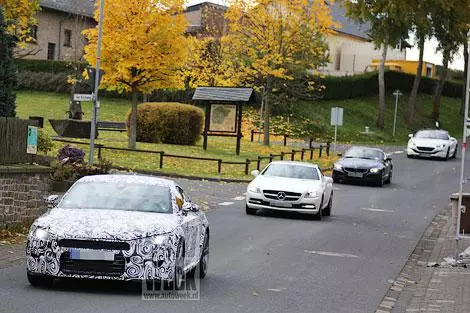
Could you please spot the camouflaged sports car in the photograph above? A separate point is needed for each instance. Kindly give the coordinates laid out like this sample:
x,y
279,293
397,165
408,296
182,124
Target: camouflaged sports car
x,y
122,227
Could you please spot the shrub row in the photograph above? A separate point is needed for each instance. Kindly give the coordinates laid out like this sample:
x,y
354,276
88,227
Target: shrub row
x,y
47,66
348,87
166,122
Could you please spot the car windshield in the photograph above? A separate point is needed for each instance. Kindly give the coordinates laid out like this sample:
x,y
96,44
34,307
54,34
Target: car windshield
x,y
432,134
118,196
291,171
364,153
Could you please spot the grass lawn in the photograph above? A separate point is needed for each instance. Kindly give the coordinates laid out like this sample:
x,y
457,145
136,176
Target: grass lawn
x,y
361,112
53,105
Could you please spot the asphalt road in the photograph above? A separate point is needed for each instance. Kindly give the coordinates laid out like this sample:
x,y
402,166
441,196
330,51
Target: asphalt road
x,y
280,262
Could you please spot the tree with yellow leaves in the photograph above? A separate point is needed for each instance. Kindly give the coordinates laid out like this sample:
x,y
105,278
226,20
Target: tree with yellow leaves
x,y
270,40
143,48
20,16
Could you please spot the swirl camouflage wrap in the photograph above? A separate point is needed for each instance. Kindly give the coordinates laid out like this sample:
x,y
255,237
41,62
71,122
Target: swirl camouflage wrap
x,y
116,244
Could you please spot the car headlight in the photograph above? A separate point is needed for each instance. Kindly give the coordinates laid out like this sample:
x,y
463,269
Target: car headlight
x,y
412,144
313,194
160,240
375,170
254,189
338,167
440,147
41,234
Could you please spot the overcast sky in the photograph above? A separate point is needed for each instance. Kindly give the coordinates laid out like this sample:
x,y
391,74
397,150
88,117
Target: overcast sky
x,y
430,54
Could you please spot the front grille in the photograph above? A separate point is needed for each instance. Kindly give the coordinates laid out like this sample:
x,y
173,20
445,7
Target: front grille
x,y
92,267
426,149
355,170
266,203
93,244
289,196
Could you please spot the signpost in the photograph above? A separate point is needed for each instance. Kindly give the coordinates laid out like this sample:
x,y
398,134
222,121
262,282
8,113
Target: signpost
x,y
397,95
82,97
32,143
336,120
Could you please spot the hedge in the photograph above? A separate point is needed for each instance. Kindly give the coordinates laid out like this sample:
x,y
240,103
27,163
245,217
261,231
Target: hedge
x,y
167,122
348,87
47,66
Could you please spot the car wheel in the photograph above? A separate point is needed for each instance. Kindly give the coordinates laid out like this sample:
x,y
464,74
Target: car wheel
x,y
327,211
389,178
320,211
250,211
39,280
179,268
202,266
409,156
454,155
380,181
447,157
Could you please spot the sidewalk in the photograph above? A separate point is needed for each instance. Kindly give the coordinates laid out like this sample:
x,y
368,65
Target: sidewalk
x,y
426,284
11,255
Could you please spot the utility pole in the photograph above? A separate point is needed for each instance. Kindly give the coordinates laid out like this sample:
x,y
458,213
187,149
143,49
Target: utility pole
x,y
397,95
97,84
462,161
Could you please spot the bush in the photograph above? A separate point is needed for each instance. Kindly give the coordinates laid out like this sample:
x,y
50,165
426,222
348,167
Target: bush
x,y
45,143
167,122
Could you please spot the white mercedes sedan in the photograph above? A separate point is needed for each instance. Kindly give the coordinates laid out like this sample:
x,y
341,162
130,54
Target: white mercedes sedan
x,y
432,143
290,186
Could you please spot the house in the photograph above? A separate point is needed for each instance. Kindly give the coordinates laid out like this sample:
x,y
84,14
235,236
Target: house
x,y
206,19
410,67
58,33
351,49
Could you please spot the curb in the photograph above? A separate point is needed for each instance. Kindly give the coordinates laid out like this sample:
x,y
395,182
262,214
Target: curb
x,y
174,175
413,269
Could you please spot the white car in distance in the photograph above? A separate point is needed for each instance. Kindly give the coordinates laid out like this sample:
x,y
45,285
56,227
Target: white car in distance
x,y
432,143
290,186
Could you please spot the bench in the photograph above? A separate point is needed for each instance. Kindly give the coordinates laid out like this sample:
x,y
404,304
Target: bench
x,y
112,126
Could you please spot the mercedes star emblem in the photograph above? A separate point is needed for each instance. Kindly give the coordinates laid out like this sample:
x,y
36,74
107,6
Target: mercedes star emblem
x,y
281,196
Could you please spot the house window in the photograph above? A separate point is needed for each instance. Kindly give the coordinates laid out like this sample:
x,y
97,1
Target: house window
x,y
428,71
51,51
67,38
33,32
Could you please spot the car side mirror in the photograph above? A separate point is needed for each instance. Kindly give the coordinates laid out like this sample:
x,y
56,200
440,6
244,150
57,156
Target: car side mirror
x,y
255,173
410,136
388,158
187,207
51,201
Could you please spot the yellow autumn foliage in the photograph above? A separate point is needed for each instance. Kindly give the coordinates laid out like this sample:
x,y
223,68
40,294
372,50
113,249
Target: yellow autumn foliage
x,y
143,44
21,15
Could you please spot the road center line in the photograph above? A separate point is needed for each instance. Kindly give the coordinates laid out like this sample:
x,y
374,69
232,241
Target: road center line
x,y
240,198
398,152
376,210
326,253
225,203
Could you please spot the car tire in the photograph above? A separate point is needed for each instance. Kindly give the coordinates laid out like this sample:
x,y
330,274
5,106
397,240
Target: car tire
x,y
39,280
250,211
327,210
178,275
409,156
447,157
454,155
389,178
201,267
379,182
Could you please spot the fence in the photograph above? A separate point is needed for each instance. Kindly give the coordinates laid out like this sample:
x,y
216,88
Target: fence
x,y
285,136
220,162
13,140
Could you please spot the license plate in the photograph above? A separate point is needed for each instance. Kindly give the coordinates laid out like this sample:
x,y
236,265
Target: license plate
x,y
87,254
353,174
424,155
281,204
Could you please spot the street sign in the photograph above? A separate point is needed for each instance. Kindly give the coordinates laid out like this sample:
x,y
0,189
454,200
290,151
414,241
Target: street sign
x,y
91,71
336,117
397,95
82,97
32,143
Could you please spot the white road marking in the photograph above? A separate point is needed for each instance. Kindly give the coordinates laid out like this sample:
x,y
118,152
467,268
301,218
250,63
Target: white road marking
x,y
240,198
225,203
376,210
398,152
326,253
277,290
336,188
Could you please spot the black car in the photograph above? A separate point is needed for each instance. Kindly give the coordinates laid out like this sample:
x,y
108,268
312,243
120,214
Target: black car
x,y
362,164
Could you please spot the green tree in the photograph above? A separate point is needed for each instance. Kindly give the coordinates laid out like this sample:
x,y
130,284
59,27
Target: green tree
x,y
8,76
422,29
449,20
389,24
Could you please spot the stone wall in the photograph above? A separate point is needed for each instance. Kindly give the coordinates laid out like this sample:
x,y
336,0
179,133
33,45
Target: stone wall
x,y
22,192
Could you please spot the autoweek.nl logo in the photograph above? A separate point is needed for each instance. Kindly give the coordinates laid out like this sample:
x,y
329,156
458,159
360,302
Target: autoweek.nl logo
x,y
159,290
